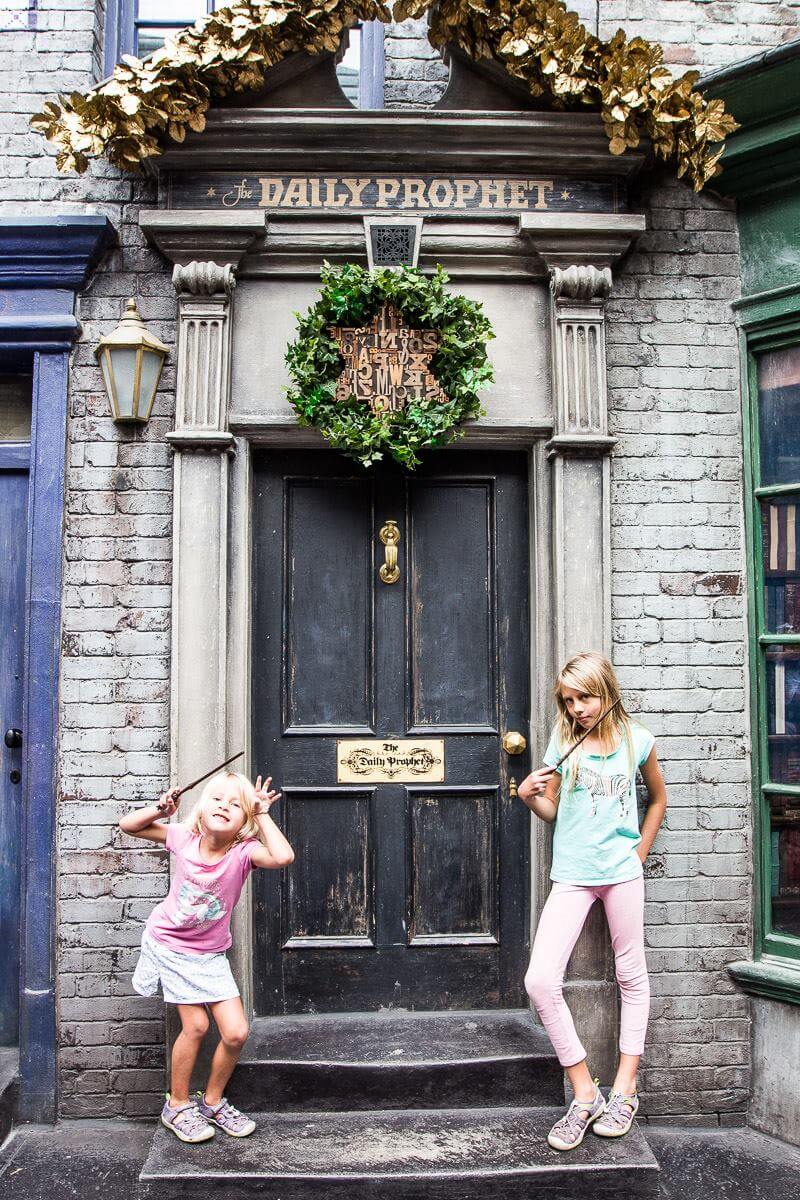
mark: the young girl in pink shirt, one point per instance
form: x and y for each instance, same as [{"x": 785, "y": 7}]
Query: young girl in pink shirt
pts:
[{"x": 227, "y": 834}]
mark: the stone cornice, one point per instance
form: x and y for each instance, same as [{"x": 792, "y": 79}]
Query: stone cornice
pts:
[{"x": 412, "y": 141}]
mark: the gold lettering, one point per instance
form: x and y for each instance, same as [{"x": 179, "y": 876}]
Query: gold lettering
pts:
[
  {"x": 387, "y": 190},
  {"x": 540, "y": 186},
  {"x": 296, "y": 194},
  {"x": 271, "y": 192},
  {"x": 466, "y": 189},
  {"x": 356, "y": 187},
  {"x": 441, "y": 193},
  {"x": 414, "y": 194},
  {"x": 331, "y": 200},
  {"x": 517, "y": 197},
  {"x": 490, "y": 187},
  {"x": 316, "y": 198}
]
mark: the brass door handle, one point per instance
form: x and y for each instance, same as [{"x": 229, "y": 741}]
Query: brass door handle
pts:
[
  {"x": 514, "y": 743},
  {"x": 390, "y": 536}
]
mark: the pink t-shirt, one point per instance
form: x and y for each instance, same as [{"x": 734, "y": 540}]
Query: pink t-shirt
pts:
[{"x": 195, "y": 917}]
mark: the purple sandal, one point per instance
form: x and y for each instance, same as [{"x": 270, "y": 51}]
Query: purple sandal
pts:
[{"x": 225, "y": 1116}]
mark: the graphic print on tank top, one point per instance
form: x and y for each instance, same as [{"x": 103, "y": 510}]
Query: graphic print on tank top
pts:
[
  {"x": 606, "y": 787},
  {"x": 195, "y": 905}
]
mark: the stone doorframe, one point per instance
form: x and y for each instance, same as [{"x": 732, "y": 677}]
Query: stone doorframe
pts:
[{"x": 569, "y": 526}]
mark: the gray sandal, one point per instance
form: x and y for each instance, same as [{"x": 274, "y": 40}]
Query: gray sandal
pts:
[
  {"x": 619, "y": 1114},
  {"x": 570, "y": 1130}
]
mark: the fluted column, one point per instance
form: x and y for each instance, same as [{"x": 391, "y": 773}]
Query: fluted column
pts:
[
  {"x": 579, "y": 453},
  {"x": 202, "y": 445},
  {"x": 203, "y": 449}
]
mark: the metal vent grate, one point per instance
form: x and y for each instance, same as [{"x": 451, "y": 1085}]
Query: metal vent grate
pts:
[{"x": 392, "y": 245}]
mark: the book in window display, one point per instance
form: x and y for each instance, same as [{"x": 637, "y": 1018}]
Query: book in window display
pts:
[{"x": 783, "y": 714}]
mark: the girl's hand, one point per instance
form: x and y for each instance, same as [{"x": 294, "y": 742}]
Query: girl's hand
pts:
[
  {"x": 265, "y": 797},
  {"x": 535, "y": 783},
  {"x": 168, "y": 802}
]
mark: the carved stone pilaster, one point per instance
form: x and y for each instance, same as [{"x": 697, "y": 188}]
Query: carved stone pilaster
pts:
[
  {"x": 579, "y": 293},
  {"x": 205, "y": 291}
]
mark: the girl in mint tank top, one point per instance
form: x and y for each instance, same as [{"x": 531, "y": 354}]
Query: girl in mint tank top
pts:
[{"x": 598, "y": 854}]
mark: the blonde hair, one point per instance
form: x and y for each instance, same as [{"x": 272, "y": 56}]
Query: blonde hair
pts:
[
  {"x": 592, "y": 673},
  {"x": 247, "y": 799}
]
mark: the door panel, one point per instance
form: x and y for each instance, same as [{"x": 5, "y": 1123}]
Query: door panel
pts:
[
  {"x": 327, "y": 603},
  {"x": 13, "y": 524},
  {"x": 400, "y": 894},
  {"x": 448, "y": 830},
  {"x": 451, "y": 615}
]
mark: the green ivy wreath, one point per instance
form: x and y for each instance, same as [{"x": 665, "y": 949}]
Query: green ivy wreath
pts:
[{"x": 351, "y": 296}]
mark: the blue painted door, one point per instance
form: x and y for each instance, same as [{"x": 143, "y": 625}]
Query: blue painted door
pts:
[{"x": 13, "y": 523}]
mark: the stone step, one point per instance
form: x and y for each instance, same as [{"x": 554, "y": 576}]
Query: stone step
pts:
[
  {"x": 442, "y": 1154},
  {"x": 364, "y": 1061}
]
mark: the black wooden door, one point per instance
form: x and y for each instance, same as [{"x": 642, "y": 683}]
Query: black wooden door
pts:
[{"x": 415, "y": 894}]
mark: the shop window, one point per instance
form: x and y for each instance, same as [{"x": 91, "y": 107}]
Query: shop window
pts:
[
  {"x": 141, "y": 26},
  {"x": 775, "y": 434}
]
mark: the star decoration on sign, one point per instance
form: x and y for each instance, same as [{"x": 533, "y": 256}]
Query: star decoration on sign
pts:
[
  {"x": 387, "y": 363},
  {"x": 211, "y": 192},
  {"x": 565, "y": 195}
]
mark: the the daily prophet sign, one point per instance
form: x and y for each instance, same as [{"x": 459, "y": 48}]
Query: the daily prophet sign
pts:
[
  {"x": 401, "y": 760},
  {"x": 388, "y": 193}
]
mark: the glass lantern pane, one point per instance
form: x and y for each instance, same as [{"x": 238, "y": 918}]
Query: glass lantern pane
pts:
[
  {"x": 15, "y": 408},
  {"x": 779, "y": 415},
  {"x": 123, "y": 365},
  {"x": 780, "y": 548},
  {"x": 785, "y": 863},
  {"x": 151, "y": 365}
]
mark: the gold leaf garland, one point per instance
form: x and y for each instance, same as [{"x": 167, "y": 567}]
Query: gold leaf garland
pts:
[{"x": 130, "y": 115}]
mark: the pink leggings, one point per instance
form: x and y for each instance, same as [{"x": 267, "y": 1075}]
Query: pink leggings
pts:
[{"x": 561, "y": 922}]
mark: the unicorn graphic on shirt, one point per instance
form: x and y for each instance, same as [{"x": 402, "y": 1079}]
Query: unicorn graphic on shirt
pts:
[
  {"x": 196, "y": 906},
  {"x": 606, "y": 787}
]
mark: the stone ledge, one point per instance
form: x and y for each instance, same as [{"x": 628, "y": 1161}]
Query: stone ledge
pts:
[{"x": 769, "y": 978}]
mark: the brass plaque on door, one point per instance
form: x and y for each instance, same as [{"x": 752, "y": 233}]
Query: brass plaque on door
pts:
[{"x": 382, "y": 760}]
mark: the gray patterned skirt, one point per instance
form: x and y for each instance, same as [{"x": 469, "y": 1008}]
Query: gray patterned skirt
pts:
[{"x": 184, "y": 978}]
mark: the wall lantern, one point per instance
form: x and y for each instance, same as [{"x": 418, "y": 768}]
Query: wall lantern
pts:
[{"x": 131, "y": 360}]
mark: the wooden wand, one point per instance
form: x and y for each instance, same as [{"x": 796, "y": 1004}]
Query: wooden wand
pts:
[
  {"x": 178, "y": 792},
  {"x": 591, "y": 729}
]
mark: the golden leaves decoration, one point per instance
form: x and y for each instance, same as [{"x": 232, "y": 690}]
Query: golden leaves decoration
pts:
[{"x": 130, "y": 115}]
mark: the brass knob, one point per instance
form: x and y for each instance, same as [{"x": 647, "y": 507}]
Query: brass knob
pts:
[{"x": 514, "y": 743}]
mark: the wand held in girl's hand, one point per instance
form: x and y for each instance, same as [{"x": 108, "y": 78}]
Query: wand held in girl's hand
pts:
[
  {"x": 591, "y": 729},
  {"x": 178, "y": 792}
]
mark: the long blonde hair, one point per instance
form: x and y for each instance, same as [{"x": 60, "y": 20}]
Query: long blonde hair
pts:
[
  {"x": 247, "y": 799},
  {"x": 592, "y": 673}
]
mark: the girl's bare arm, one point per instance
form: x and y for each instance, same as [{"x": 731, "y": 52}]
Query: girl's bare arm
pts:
[
  {"x": 146, "y": 822},
  {"x": 539, "y": 791},
  {"x": 657, "y": 804},
  {"x": 275, "y": 850}
]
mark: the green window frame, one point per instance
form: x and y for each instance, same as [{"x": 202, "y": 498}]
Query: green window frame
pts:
[{"x": 768, "y": 322}]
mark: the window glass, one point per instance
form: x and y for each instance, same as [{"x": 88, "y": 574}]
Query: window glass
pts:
[
  {"x": 785, "y": 863},
  {"x": 783, "y": 713},
  {"x": 779, "y": 415},
  {"x": 15, "y": 408},
  {"x": 156, "y": 20},
  {"x": 349, "y": 69},
  {"x": 780, "y": 548}
]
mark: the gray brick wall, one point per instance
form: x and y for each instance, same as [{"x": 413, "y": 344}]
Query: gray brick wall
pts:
[
  {"x": 679, "y": 633},
  {"x": 698, "y": 34},
  {"x": 679, "y": 636}
]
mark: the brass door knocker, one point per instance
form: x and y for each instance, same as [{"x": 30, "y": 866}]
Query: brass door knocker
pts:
[{"x": 390, "y": 536}]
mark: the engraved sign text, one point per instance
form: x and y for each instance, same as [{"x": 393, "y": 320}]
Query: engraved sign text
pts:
[{"x": 403, "y": 760}]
